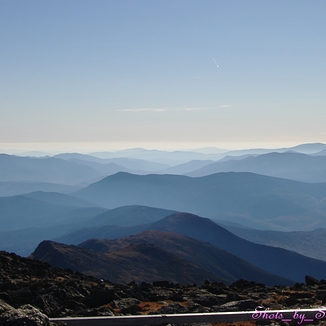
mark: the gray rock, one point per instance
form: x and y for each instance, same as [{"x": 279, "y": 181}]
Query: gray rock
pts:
[
  {"x": 174, "y": 308},
  {"x": 241, "y": 305},
  {"x": 26, "y": 315},
  {"x": 127, "y": 305}
]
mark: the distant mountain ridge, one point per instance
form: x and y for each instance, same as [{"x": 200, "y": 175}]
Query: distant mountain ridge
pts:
[
  {"x": 130, "y": 216},
  {"x": 108, "y": 166},
  {"x": 138, "y": 262},
  {"x": 180, "y": 157},
  {"x": 150, "y": 256},
  {"x": 274, "y": 260},
  {"x": 75, "y": 169},
  {"x": 48, "y": 169},
  {"x": 310, "y": 243},
  {"x": 277, "y": 261},
  {"x": 27, "y": 219},
  {"x": 289, "y": 165},
  {"x": 219, "y": 262},
  {"x": 258, "y": 201},
  {"x": 47, "y": 215},
  {"x": 12, "y": 188},
  {"x": 73, "y": 197}
]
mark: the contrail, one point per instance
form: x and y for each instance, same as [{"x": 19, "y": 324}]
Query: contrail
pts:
[{"x": 215, "y": 63}]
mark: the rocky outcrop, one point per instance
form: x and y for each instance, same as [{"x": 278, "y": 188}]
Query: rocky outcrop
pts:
[
  {"x": 34, "y": 290},
  {"x": 25, "y": 315}
]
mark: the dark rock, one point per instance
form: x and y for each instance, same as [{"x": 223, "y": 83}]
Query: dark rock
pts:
[
  {"x": 127, "y": 305},
  {"x": 48, "y": 304},
  {"x": 160, "y": 294},
  {"x": 216, "y": 287},
  {"x": 174, "y": 308},
  {"x": 311, "y": 280},
  {"x": 161, "y": 283},
  {"x": 4, "y": 296},
  {"x": 62, "y": 293},
  {"x": 145, "y": 286},
  {"x": 25, "y": 315},
  {"x": 234, "y": 296},
  {"x": 298, "y": 285},
  {"x": 100, "y": 297},
  {"x": 242, "y": 305},
  {"x": 206, "y": 299},
  {"x": 321, "y": 295},
  {"x": 290, "y": 301},
  {"x": 196, "y": 308}
]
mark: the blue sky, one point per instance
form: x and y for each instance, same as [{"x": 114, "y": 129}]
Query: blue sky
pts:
[{"x": 141, "y": 73}]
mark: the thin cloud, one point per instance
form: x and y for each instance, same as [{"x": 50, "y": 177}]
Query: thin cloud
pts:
[
  {"x": 224, "y": 106},
  {"x": 143, "y": 110},
  {"x": 163, "y": 110},
  {"x": 194, "y": 109}
]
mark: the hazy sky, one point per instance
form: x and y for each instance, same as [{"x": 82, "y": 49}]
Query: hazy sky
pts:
[{"x": 142, "y": 73}]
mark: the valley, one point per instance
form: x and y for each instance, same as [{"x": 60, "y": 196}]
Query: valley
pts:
[{"x": 134, "y": 222}]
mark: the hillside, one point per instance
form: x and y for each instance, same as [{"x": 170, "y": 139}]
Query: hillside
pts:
[
  {"x": 18, "y": 188},
  {"x": 151, "y": 256},
  {"x": 129, "y": 216},
  {"x": 278, "y": 261},
  {"x": 222, "y": 264},
  {"x": 61, "y": 293},
  {"x": 139, "y": 262},
  {"x": 111, "y": 166},
  {"x": 46, "y": 169},
  {"x": 30, "y": 218},
  {"x": 288, "y": 165},
  {"x": 44, "y": 210},
  {"x": 254, "y": 200},
  {"x": 307, "y": 243}
]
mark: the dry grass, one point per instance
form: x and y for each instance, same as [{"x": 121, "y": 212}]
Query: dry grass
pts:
[{"x": 150, "y": 307}]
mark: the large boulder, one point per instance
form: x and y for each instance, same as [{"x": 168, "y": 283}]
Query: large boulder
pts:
[{"x": 26, "y": 315}]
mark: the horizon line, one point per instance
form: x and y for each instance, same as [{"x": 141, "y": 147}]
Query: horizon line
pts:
[{"x": 91, "y": 147}]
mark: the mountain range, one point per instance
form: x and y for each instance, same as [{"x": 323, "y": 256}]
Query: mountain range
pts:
[
  {"x": 288, "y": 165},
  {"x": 45, "y": 169},
  {"x": 185, "y": 216},
  {"x": 278, "y": 261},
  {"x": 311, "y": 244},
  {"x": 257, "y": 201},
  {"x": 152, "y": 256}
]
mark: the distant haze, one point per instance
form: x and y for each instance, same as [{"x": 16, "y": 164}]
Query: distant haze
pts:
[
  {"x": 127, "y": 74},
  {"x": 40, "y": 148}
]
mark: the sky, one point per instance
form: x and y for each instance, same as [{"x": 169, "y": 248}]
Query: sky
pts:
[{"x": 88, "y": 75}]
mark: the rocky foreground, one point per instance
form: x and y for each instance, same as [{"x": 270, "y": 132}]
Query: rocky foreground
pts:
[{"x": 28, "y": 284}]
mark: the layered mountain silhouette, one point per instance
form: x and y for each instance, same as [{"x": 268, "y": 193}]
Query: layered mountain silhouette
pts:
[
  {"x": 278, "y": 261},
  {"x": 152, "y": 256},
  {"x": 138, "y": 262},
  {"x": 219, "y": 262},
  {"x": 42, "y": 209},
  {"x": 113, "y": 165},
  {"x": 289, "y": 165},
  {"x": 37, "y": 216},
  {"x": 130, "y": 216},
  {"x": 12, "y": 188},
  {"x": 46, "y": 169},
  {"x": 257, "y": 201},
  {"x": 307, "y": 243},
  {"x": 30, "y": 218},
  {"x": 74, "y": 198}
]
